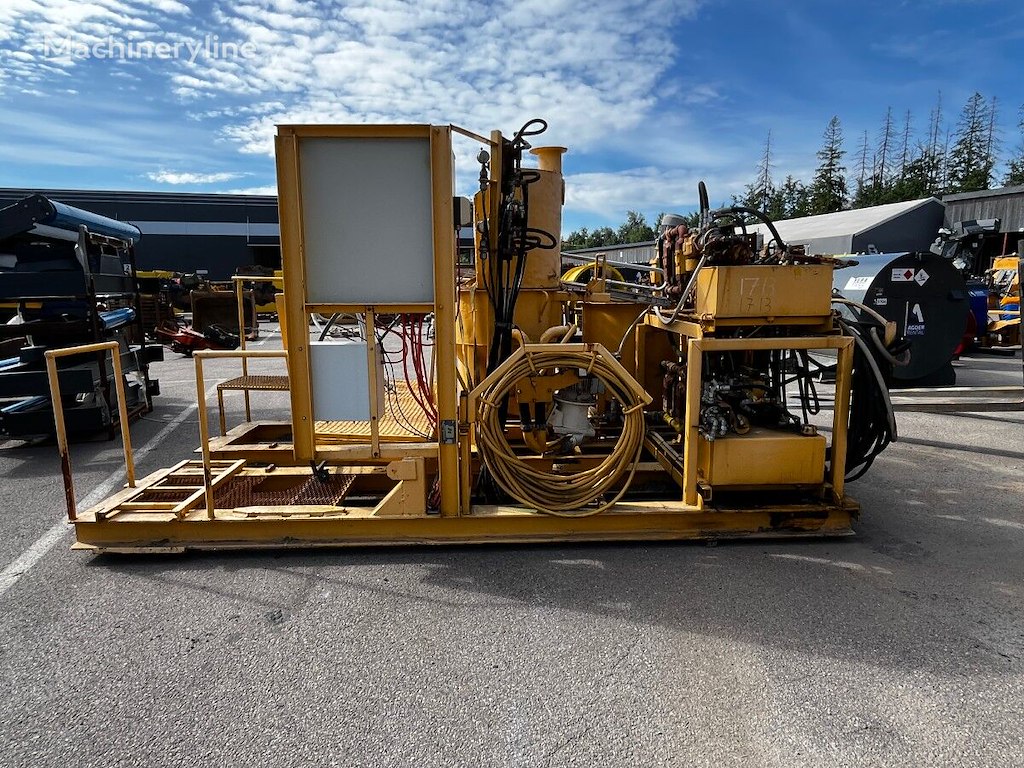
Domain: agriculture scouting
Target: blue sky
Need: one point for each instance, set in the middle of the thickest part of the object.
(650, 96)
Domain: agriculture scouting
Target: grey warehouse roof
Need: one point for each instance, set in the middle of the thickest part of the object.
(842, 223)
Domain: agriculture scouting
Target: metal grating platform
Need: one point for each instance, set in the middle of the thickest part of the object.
(403, 420)
(250, 491)
(253, 382)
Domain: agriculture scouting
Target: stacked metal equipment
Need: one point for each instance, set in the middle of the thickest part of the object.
(68, 278)
(537, 410)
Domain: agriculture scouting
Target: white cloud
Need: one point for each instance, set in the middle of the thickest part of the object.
(596, 75)
(268, 189)
(477, 64)
(647, 189)
(173, 177)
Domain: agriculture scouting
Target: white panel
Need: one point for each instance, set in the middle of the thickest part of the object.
(367, 220)
(341, 383)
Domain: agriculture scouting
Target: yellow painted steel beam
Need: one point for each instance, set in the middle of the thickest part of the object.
(487, 525)
(289, 197)
(379, 307)
(445, 305)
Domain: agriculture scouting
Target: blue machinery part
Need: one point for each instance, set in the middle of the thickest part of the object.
(116, 318)
(40, 215)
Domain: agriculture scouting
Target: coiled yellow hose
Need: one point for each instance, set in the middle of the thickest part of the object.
(565, 495)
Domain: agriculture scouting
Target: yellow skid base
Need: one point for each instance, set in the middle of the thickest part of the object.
(256, 527)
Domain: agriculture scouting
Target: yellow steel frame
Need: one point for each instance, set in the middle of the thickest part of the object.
(239, 281)
(695, 349)
(298, 307)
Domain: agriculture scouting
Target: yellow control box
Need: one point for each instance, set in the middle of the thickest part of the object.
(761, 457)
(777, 294)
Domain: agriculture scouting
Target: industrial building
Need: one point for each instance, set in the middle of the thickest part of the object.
(184, 231)
(890, 228)
(1005, 204)
(627, 253)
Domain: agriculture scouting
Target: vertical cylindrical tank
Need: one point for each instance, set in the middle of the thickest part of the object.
(544, 265)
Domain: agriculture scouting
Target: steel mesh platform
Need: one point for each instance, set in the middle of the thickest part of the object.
(246, 491)
(402, 421)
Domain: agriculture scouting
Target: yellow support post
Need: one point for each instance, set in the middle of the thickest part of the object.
(239, 294)
(841, 417)
(694, 362)
(370, 318)
(445, 299)
(289, 197)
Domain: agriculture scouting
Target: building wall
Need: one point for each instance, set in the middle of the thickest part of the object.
(827, 246)
(630, 253)
(914, 230)
(185, 232)
(1006, 204)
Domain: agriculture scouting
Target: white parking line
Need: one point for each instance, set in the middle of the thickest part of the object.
(23, 563)
(266, 337)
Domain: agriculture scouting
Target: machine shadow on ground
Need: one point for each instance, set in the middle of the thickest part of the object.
(781, 595)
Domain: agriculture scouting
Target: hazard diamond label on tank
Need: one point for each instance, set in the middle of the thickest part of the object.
(921, 277)
(902, 275)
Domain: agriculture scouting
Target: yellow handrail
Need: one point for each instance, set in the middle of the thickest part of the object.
(204, 426)
(51, 356)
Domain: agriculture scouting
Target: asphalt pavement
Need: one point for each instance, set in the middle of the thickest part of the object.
(901, 646)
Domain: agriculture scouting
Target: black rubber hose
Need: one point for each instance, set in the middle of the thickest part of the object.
(757, 214)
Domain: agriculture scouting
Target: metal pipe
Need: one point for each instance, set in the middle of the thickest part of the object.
(690, 285)
(581, 260)
(557, 331)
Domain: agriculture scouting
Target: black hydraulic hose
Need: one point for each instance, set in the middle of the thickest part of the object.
(872, 425)
(705, 205)
(518, 142)
(757, 214)
(327, 326)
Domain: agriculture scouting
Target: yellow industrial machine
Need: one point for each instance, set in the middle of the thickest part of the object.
(1004, 302)
(497, 403)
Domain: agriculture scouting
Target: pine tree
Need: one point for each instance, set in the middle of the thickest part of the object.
(862, 170)
(794, 199)
(992, 139)
(913, 184)
(1015, 166)
(761, 192)
(828, 191)
(971, 160)
(885, 142)
(935, 155)
(905, 150)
